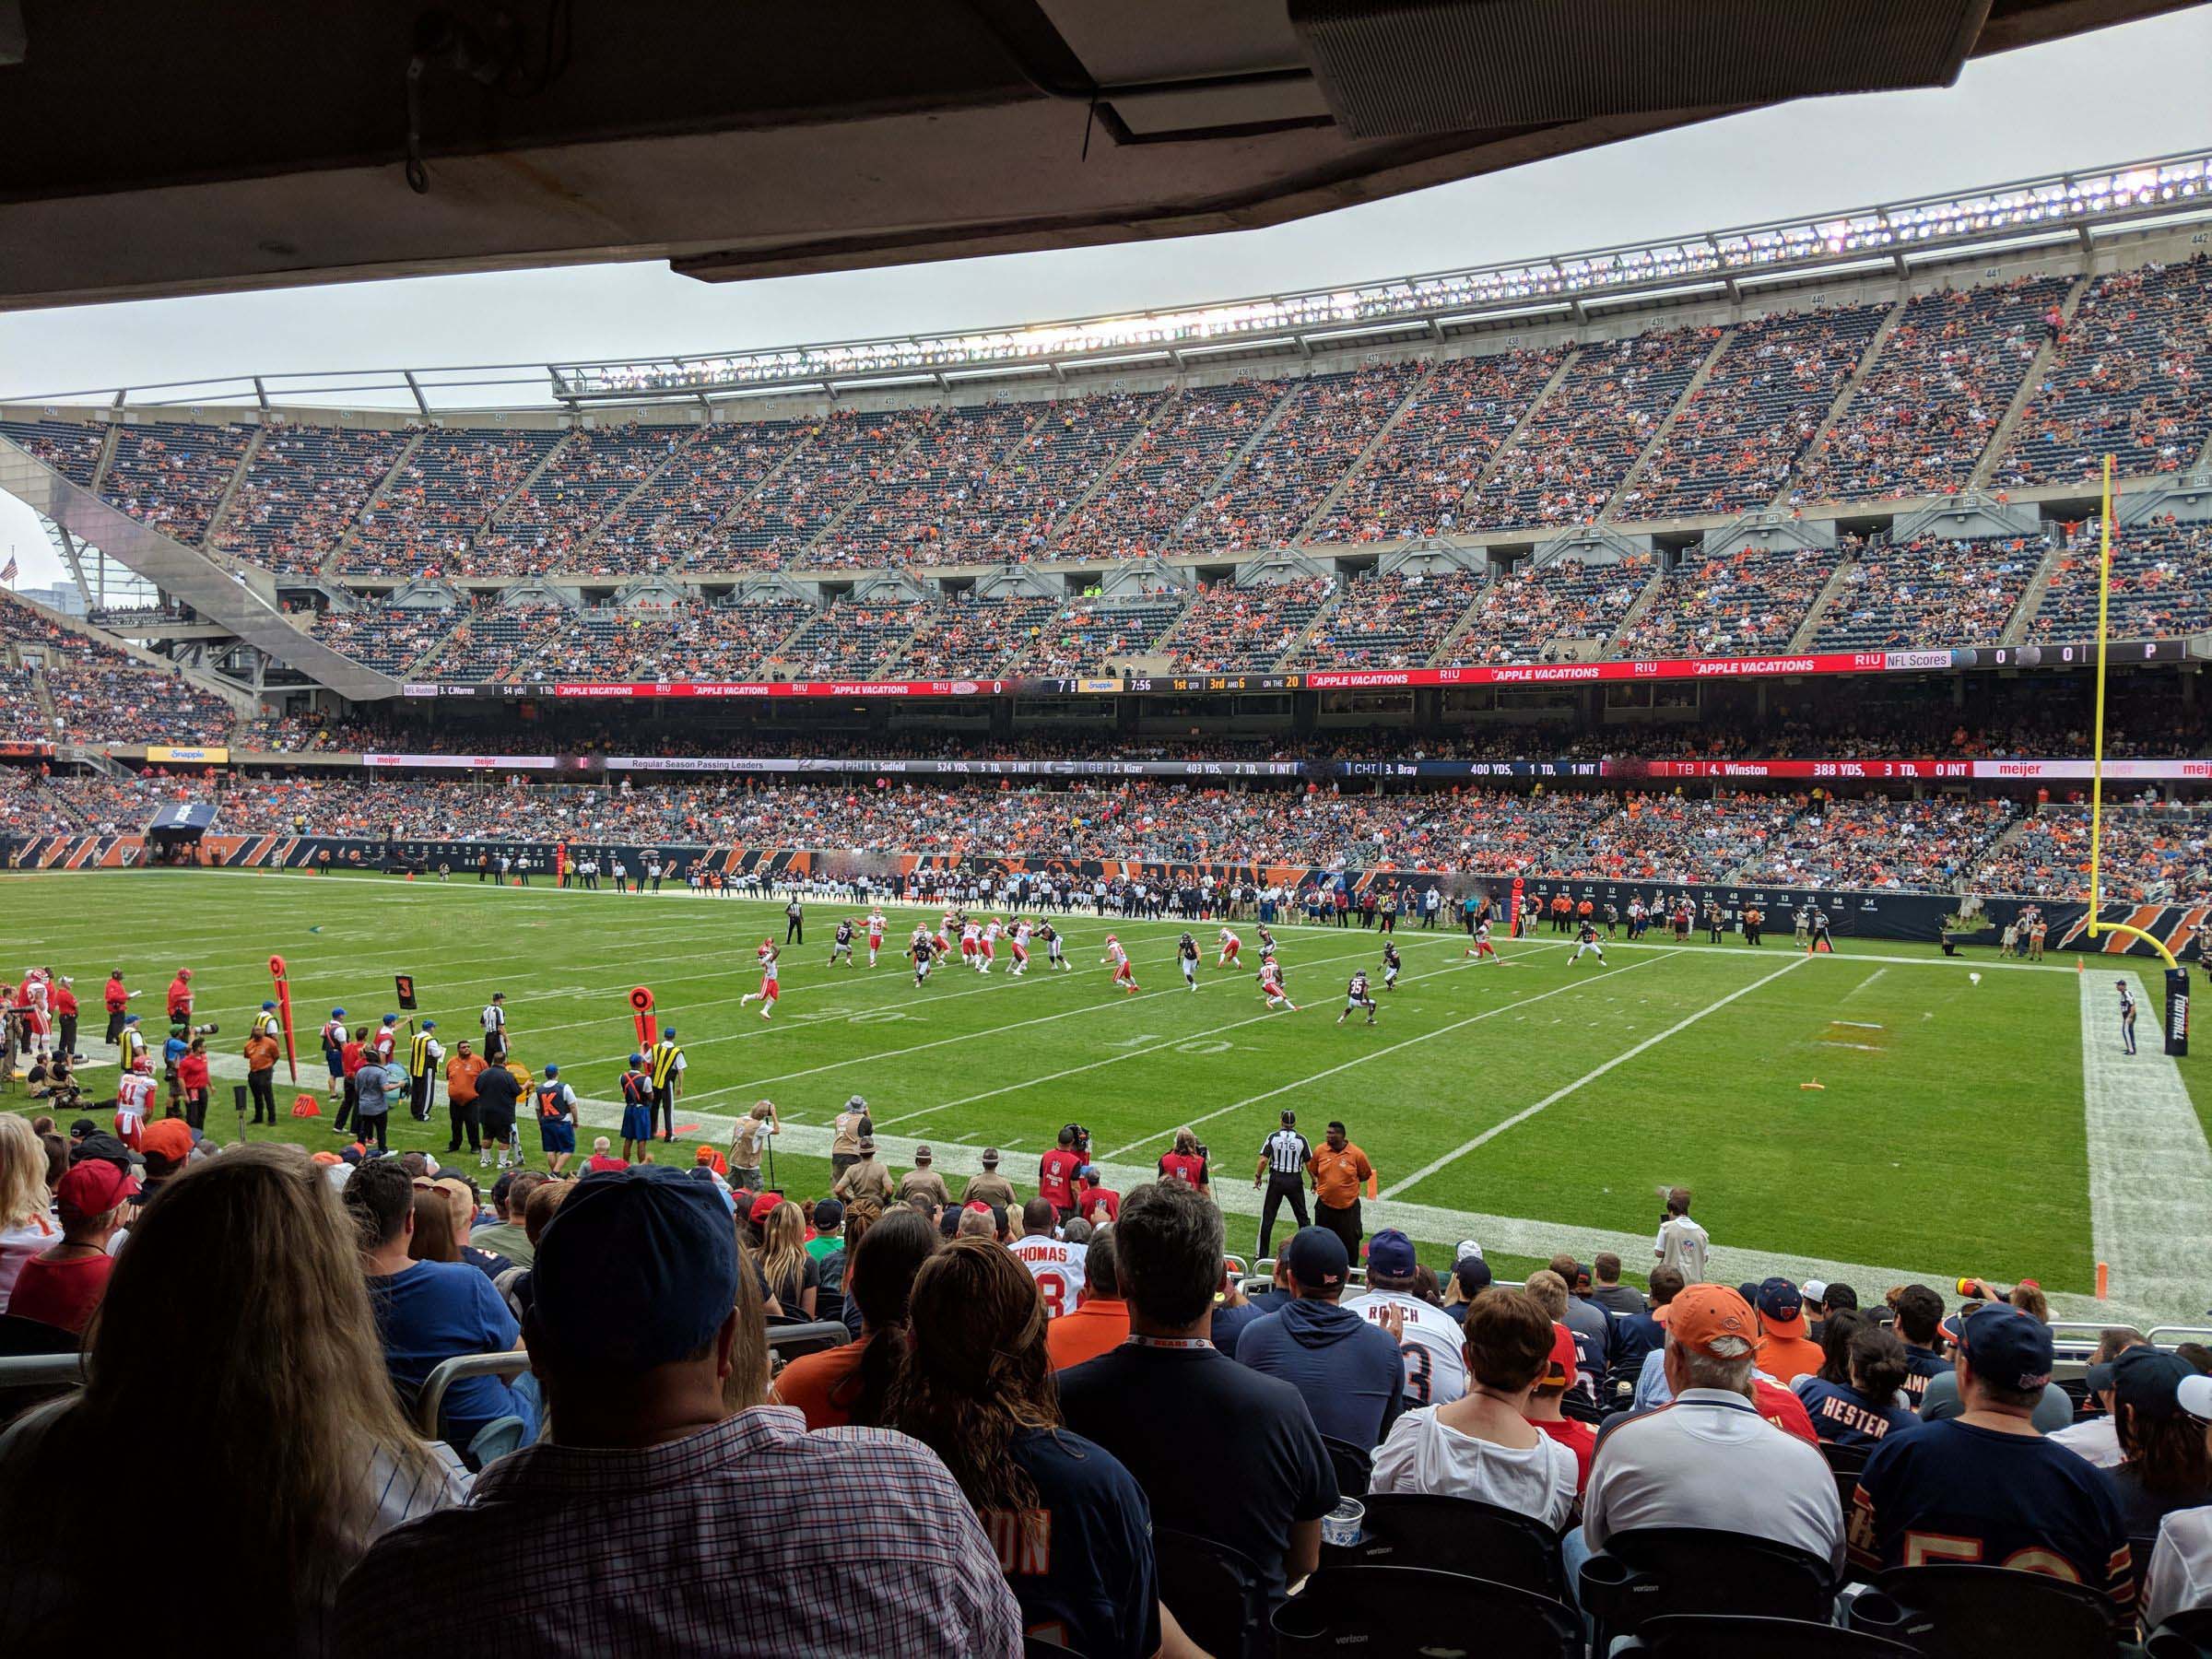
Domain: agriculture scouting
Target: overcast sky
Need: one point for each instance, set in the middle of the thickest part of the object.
(2114, 96)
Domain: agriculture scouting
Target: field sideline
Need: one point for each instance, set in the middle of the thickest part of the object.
(1530, 1105)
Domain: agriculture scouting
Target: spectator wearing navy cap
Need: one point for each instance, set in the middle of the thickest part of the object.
(2163, 1463)
(1785, 1352)
(2098, 1438)
(1983, 1487)
(2181, 1565)
(702, 1521)
(1349, 1371)
(1471, 1277)
(1944, 1397)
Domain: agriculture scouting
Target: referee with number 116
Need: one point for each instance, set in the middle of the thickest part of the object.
(1284, 1159)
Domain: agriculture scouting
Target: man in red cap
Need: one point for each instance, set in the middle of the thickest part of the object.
(1708, 1458)
(180, 997)
(62, 1287)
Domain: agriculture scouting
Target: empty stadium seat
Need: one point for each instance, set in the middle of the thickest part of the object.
(1956, 1612)
(1217, 1594)
(1415, 1610)
(1736, 1636)
(1654, 1570)
(1455, 1535)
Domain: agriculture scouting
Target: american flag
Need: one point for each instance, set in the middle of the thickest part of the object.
(7, 570)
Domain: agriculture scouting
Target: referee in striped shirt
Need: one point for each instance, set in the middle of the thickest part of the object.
(1282, 1165)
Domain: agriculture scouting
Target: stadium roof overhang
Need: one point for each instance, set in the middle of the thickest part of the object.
(159, 150)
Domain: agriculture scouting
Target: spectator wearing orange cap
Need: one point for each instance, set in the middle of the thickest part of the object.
(1785, 1352)
(1708, 1459)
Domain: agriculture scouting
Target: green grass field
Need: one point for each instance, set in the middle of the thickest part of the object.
(1531, 1105)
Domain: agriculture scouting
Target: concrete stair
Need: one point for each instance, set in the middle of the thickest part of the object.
(2024, 393)
(238, 477)
(1841, 401)
(1667, 425)
(1321, 512)
(1837, 578)
(2031, 598)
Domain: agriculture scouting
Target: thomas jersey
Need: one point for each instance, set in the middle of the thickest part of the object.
(1057, 1267)
(1433, 1347)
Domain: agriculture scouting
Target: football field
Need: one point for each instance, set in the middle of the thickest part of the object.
(1990, 1128)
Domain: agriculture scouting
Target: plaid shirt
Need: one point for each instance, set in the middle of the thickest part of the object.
(752, 1537)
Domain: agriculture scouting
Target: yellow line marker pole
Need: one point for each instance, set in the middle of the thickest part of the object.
(2104, 593)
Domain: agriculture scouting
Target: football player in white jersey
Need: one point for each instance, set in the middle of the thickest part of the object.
(1431, 1342)
(875, 934)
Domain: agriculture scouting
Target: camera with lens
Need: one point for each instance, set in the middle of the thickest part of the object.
(208, 1029)
(1082, 1136)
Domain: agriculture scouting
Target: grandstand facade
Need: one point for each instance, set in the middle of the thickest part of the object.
(1642, 505)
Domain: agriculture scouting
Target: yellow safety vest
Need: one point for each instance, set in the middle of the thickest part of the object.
(419, 1055)
(662, 1062)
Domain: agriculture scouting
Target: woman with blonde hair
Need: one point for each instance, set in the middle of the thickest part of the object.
(432, 1240)
(1072, 1529)
(239, 1317)
(791, 1278)
(27, 1223)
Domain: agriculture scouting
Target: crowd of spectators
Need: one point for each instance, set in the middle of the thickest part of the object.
(848, 454)
(2152, 854)
(302, 492)
(986, 639)
(547, 525)
(1936, 395)
(2131, 377)
(71, 447)
(1929, 590)
(1146, 500)
(1542, 613)
(671, 521)
(1666, 836)
(1016, 508)
(1738, 433)
(1222, 468)
(1087, 1367)
(1418, 480)
(1748, 603)
(1582, 440)
(384, 637)
(430, 510)
(933, 495)
(1398, 621)
(1868, 842)
(173, 474)
(1325, 425)
(99, 693)
(1232, 626)
(854, 638)
(2161, 586)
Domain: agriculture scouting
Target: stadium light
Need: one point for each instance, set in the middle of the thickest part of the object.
(1956, 221)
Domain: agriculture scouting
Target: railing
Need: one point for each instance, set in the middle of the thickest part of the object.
(2049, 208)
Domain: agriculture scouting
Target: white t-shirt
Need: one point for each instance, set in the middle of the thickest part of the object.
(1057, 1266)
(1433, 1345)
(2098, 1439)
(1420, 1455)
(41, 1232)
(2181, 1566)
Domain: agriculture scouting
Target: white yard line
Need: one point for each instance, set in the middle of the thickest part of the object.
(2150, 1172)
(1864, 983)
(1556, 1096)
(1377, 1054)
(1089, 1007)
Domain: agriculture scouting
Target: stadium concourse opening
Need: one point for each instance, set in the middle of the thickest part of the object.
(1103, 986)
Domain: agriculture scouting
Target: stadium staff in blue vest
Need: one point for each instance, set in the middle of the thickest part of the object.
(665, 1069)
(555, 1120)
